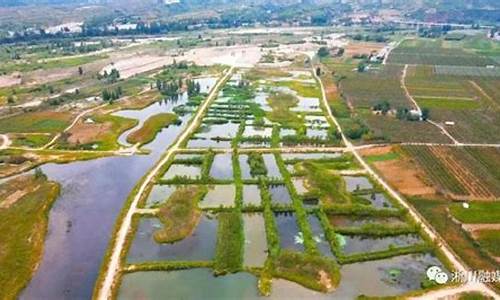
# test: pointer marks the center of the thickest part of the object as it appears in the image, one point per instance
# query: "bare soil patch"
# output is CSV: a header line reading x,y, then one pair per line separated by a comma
x,y
376,150
362,48
405,177
84,133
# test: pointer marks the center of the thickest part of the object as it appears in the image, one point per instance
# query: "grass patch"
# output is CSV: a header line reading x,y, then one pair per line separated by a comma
x,y
23,225
477,213
314,272
447,103
180,214
31,140
151,128
230,240
281,103
36,122
490,241
330,187
302,89
382,157
257,165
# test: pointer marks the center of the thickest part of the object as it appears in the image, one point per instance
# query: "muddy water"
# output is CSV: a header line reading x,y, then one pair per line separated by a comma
x,y
358,244
222,168
289,233
319,236
351,221
378,200
188,284
198,246
190,171
253,131
255,240
251,194
279,194
371,278
219,195
245,168
271,165
159,194
354,183
381,278
300,186
82,219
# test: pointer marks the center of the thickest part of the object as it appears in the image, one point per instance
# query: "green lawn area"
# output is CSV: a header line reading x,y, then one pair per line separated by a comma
x,y
180,214
23,225
36,122
490,240
477,213
151,128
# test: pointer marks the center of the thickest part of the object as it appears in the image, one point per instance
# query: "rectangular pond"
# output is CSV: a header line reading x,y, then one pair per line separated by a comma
x,y
187,285
280,194
208,143
255,240
354,183
354,221
251,195
180,170
291,237
244,166
359,244
272,167
159,194
219,195
198,246
319,236
254,131
222,167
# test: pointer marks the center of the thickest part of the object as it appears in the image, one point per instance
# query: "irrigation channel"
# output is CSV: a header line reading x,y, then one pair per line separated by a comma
x,y
82,219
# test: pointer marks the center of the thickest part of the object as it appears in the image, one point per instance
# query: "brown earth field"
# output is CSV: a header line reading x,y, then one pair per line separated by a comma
x,y
401,173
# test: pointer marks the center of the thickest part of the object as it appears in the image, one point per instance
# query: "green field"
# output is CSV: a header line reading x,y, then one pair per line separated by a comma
x,y
35,122
477,213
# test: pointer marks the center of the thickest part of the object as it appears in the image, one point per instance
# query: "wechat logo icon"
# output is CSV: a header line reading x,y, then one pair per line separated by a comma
x,y
437,275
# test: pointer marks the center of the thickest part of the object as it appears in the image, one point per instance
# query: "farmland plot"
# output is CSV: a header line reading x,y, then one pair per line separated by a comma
x,y
457,172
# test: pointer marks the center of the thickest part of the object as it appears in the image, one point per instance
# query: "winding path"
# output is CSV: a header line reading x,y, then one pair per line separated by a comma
x,y
105,290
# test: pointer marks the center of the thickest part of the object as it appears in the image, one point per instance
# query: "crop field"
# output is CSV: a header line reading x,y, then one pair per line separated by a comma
x,y
467,71
432,52
457,172
366,89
